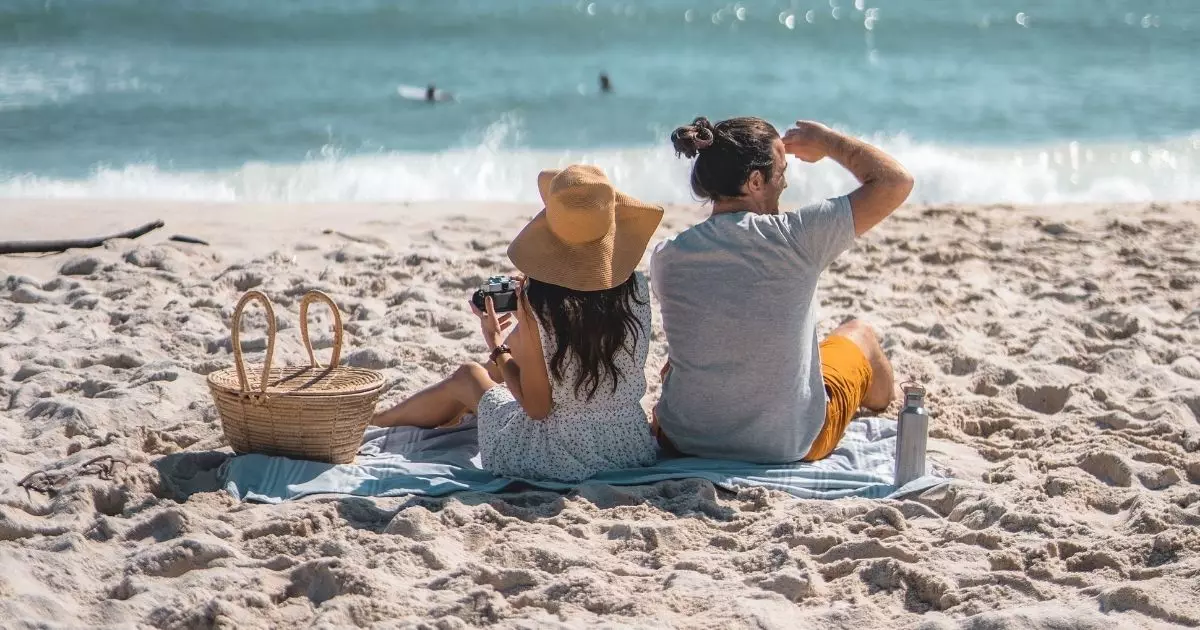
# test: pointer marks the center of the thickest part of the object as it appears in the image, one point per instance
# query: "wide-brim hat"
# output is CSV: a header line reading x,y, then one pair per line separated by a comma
x,y
589,236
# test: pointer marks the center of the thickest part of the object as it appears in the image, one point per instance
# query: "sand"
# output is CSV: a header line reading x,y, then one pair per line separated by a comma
x,y
1060,345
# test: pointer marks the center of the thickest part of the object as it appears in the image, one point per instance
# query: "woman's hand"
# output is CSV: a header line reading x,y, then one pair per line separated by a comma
x,y
495,329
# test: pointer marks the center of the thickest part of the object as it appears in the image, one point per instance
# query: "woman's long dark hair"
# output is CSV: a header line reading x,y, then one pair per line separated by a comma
x,y
590,327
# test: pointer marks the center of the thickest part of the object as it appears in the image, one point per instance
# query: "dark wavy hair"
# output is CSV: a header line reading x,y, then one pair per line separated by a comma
x,y
726,154
590,327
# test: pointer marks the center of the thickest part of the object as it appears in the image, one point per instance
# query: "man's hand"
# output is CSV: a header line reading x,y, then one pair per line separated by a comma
x,y
808,141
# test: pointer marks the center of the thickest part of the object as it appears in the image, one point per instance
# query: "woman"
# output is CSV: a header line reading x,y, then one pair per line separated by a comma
x,y
562,398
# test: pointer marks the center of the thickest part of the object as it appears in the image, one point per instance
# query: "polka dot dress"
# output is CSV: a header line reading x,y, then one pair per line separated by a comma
x,y
579,438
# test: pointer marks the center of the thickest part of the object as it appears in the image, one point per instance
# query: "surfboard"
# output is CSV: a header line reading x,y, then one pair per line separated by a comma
x,y
415,93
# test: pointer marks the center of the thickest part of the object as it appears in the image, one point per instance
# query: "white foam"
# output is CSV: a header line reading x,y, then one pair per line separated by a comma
x,y
63,79
490,171
21,86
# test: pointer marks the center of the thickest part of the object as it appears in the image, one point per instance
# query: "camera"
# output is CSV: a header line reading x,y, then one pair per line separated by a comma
x,y
503,291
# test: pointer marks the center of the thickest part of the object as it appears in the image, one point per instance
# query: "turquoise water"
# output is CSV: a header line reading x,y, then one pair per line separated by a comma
x,y
985,100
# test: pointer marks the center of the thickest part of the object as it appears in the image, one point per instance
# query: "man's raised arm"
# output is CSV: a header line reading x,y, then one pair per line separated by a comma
x,y
885,183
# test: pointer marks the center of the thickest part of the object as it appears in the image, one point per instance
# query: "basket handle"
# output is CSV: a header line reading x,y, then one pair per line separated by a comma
x,y
317,296
238,360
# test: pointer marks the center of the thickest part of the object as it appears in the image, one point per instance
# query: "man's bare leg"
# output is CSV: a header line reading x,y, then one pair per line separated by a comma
x,y
882,388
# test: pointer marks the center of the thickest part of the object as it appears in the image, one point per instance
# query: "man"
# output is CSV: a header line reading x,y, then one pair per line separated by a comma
x,y
746,378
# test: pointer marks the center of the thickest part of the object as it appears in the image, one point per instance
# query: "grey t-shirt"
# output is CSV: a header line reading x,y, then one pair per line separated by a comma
x,y
737,294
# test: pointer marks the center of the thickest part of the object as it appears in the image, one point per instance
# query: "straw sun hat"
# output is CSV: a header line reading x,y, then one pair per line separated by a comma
x,y
589,237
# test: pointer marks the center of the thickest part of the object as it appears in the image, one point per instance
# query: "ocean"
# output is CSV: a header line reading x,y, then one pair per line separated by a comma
x,y
987,101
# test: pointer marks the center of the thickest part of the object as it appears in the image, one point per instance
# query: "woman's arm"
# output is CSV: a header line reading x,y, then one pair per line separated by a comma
x,y
530,384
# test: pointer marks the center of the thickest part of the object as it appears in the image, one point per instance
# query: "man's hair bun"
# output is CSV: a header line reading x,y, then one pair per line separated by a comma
x,y
691,139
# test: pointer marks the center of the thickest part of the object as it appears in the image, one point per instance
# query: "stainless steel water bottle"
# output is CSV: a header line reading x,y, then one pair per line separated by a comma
x,y
912,435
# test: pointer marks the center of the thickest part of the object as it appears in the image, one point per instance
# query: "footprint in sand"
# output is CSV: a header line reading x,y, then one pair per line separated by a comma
x,y
1047,399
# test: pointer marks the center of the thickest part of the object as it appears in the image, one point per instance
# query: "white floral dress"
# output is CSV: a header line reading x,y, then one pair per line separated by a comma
x,y
579,438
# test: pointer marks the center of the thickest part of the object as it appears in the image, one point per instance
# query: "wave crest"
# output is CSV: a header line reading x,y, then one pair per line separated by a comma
x,y
490,171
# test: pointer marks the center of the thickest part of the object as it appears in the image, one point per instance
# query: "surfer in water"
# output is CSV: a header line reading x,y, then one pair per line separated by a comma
x,y
429,94
605,84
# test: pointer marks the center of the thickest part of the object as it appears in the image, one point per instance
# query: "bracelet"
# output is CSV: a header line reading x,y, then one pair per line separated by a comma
x,y
497,351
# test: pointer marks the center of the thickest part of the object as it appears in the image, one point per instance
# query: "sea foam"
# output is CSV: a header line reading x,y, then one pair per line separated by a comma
x,y
493,170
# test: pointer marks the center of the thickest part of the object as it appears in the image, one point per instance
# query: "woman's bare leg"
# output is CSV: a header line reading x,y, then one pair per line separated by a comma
x,y
440,403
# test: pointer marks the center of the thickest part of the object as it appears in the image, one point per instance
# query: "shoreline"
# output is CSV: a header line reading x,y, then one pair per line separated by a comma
x,y
284,221
1060,345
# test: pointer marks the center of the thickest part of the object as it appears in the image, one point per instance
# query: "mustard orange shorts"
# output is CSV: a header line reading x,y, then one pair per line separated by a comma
x,y
847,374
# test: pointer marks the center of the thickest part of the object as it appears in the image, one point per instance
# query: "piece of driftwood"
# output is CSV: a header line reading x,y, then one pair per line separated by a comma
x,y
179,238
34,247
366,240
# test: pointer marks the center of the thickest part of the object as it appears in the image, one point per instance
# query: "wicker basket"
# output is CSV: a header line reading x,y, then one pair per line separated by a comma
x,y
314,412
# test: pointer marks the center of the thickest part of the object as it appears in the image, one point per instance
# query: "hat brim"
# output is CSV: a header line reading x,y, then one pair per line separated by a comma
x,y
602,264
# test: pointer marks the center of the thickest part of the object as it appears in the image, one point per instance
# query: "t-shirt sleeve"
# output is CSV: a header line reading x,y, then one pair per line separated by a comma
x,y
655,264
823,230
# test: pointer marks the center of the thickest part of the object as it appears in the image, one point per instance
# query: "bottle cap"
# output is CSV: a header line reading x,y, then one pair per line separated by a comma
x,y
913,392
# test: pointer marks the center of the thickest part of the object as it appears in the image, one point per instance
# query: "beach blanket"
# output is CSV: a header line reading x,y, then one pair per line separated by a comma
x,y
433,462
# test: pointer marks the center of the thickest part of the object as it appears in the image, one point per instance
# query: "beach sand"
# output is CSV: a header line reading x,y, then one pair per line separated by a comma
x,y
1060,346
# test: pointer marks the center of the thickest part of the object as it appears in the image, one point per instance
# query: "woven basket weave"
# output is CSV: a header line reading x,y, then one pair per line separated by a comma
x,y
313,412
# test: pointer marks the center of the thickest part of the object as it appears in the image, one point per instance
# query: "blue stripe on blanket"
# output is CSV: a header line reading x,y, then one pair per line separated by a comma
x,y
434,462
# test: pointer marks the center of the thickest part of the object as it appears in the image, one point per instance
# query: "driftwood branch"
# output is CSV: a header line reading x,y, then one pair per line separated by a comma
x,y
32,247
